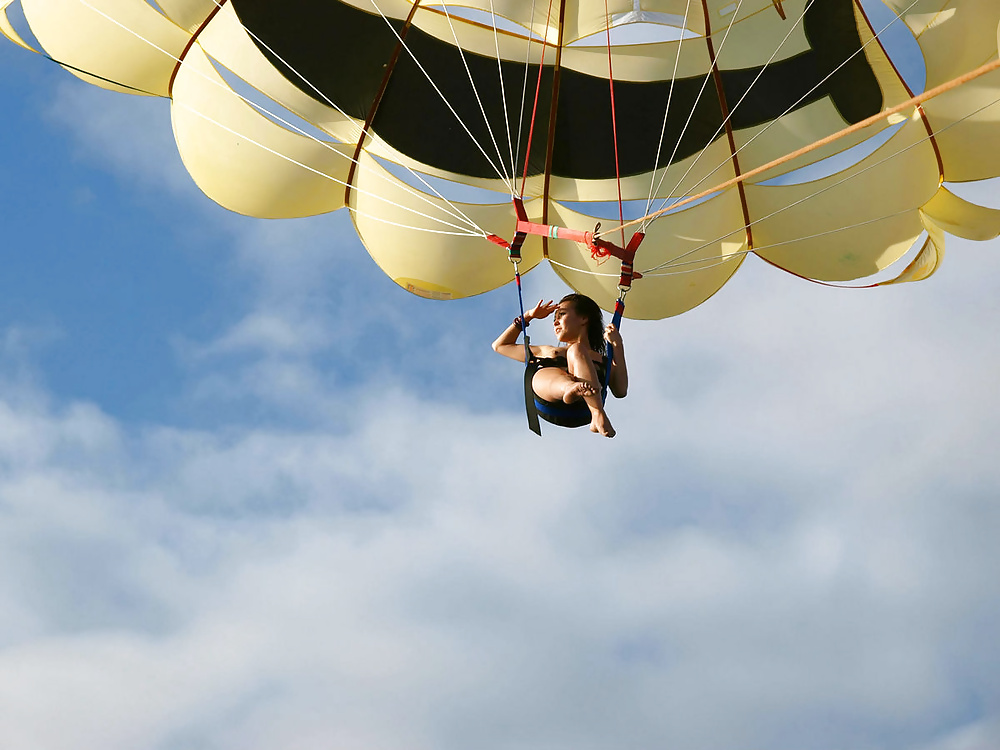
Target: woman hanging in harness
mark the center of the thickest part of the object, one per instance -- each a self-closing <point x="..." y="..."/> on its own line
<point x="572" y="374"/>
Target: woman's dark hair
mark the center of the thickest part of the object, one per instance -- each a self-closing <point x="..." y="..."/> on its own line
<point x="585" y="307"/>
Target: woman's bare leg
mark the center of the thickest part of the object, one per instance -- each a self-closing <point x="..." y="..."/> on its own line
<point x="554" y="384"/>
<point x="581" y="368"/>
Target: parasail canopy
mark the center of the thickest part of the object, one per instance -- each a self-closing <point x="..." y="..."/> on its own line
<point x="426" y="120"/>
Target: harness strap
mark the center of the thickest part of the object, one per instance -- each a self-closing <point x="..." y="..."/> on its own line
<point x="609" y="351"/>
<point x="530" y="405"/>
<point x="530" y="363"/>
<point x="563" y="415"/>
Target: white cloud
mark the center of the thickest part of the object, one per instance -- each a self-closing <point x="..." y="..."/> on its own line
<point x="731" y="572"/>
<point x="267" y="332"/>
<point x="129" y="134"/>
<point x="791" y="544"/>
<point x="982" y="735"/>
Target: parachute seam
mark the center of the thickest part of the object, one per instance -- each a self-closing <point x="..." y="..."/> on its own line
<point x="191" y="42"/>
<point x="726" y="123"/>
<point x="415" y="193"/>
<point x="319" y="173"/>
<point x="920" y="109"/>
<point x="697" y="100"/>
<point x="926" y="96"/>
<point x="678" y="261"/>
<point x="894" y="155"/>
<point x="653" y="185"/>
<point x="933" y="21"/>
<point x="376" y="101"/>
<point x="649" y="218"/>
<point x="720" y="90"/>
<point x="66" y="65"/>
<point x="439" y="92"/>
<point x="458" y="213"/>
<point x="455" y="210"/>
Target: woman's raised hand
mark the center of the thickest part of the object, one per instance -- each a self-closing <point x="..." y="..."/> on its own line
<point x="542" y="310"/>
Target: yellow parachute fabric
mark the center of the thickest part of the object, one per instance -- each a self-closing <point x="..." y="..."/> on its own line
<point x="400" y="110"/>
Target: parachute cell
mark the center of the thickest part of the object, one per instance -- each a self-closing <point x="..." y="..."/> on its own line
<point x="408" y="112"/>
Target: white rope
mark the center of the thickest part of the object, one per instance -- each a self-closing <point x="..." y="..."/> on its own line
<point x="678" y="260"/>
<point x="775" y="120"/>
<point x="481" y="233"/>
<point x="828" y="232"/>
<point x="503" y="99"/>
<point x="727" y="259"/>
<point x="666" y="115"/>
<point x="382" y="220"/>
<point x="790" y="206"/>
<point x="701" y="92"/>
<point x="358" y="129"/>
<point x="524" y="87"/>
<point x="283" y="61"/>
<point x="585" y="271"/>
<point x="406" y="188"/>
<point x="879" y="163"/>
<point x="439" y="92"/>
<point x="315" y="171"/>
<point x="708" y="264"/>
<point x="508" y="181"/>
<point x="728" y="117"/>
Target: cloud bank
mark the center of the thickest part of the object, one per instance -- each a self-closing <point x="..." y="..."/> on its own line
<point x="346" y="537"/>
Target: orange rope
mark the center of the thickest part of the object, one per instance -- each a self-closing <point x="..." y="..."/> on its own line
<point x="915" y="101"/>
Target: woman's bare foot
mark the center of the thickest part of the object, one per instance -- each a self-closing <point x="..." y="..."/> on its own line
<point x="602" y="425"/>
<point x="577" y="391"/>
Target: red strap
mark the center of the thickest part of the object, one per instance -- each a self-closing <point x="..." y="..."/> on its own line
<point x="534" y="109"/>
<point x="614" y="119"/>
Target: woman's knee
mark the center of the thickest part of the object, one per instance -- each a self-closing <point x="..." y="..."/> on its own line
<point x="575" y="356"/>
<point x="550" y="383"/>
<point x="580" y="366"/>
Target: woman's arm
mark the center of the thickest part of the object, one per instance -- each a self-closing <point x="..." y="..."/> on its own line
<point x="618" y="378"/>
<point x="506" y="343"/>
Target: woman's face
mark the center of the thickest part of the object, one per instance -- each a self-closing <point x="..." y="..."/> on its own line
<point x="567" y="323"/>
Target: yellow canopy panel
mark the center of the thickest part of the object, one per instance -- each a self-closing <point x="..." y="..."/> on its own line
<point x="425" y="120"/>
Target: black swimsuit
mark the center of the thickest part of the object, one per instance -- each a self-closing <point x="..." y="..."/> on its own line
<point x="560" y="413"/>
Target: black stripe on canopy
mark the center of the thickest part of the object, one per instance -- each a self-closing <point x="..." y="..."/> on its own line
<point x="342" y="52"/>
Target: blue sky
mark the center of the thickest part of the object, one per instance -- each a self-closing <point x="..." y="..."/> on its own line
<point x="253" y="495"/>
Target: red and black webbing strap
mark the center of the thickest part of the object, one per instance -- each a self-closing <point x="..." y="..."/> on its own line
<point x="628" y="275"/>
<point x="530" y="363"/>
